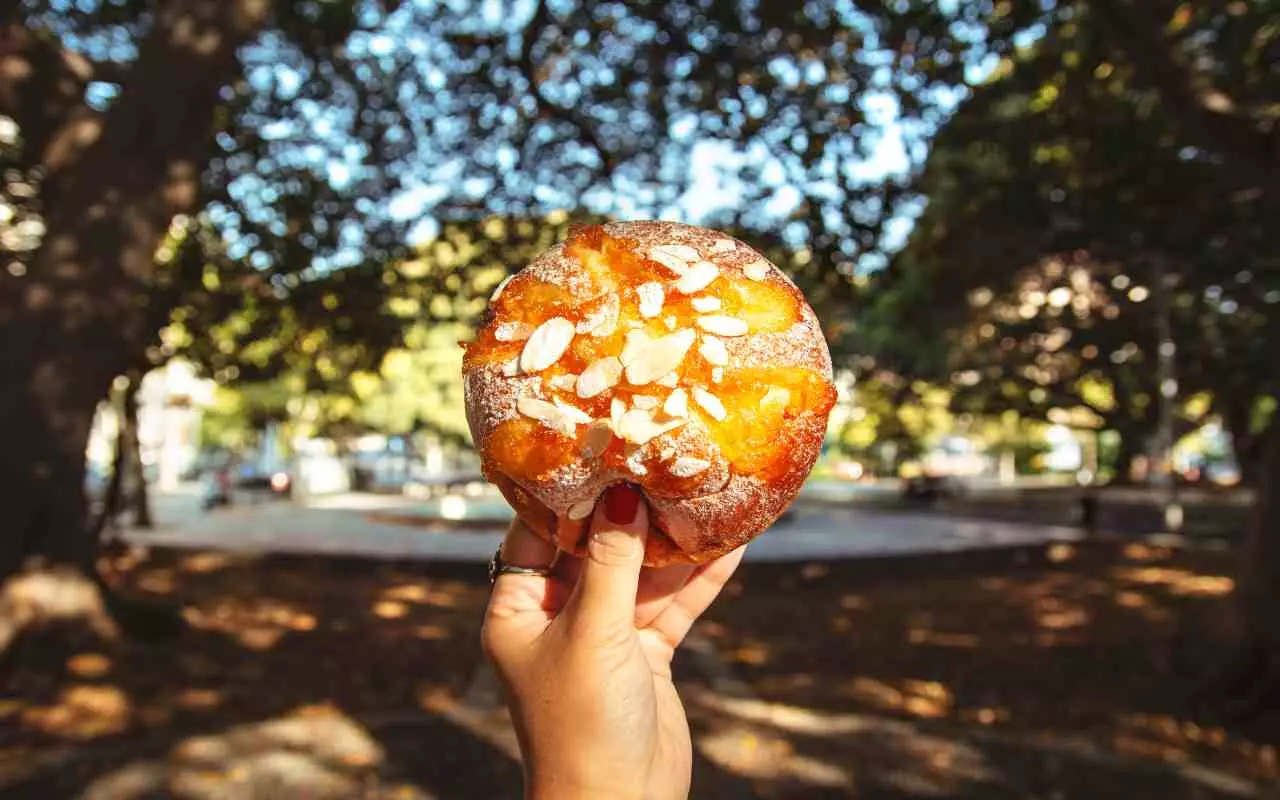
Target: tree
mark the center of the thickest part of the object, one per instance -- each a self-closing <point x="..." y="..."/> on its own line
<point x="1139" y="139"/>
<point x="295" y="142"/>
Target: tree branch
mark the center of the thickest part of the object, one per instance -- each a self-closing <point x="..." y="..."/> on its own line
<point x="1204" y="117"/>
<point x="538" y="23"/>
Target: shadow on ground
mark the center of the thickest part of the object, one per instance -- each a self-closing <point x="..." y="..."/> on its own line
<point x="954" y="676"/>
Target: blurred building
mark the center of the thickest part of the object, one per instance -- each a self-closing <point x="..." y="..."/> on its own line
<point x="171" y="401"/>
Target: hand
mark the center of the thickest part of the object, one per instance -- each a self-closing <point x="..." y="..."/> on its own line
<point x="585" y="654"/>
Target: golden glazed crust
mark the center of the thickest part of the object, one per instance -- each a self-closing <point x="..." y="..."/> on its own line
<point x="713" y="512"/>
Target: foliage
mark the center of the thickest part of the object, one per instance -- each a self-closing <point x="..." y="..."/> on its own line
<point x="1075" y="191"/>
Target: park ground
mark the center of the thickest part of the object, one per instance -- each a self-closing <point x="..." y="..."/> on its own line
<point x="1053" y="669"/>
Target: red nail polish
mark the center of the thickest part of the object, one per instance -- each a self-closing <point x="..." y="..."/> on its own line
<point x="621" y="501"/>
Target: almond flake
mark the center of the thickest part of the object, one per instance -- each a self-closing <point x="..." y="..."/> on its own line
<point x="581" y="510"/>
<point x="564" y="383"/>
<point x="713" y="350"/>
<point x="776" y="396"/>
<point x="722" y="325"/>
<point x="666" y="453"/>
<point x="704" y="304"/>
<point x="644" y="401"/>
<point x="677" y="404"/>
<point x="549" y="414"/>
<point x="597" y="439"/>
<point x="672" y="262"/>
<point x="717" y="374"/>
<point x="602" y="320"/>
<point x="635" y="465"/>
<point x="599" y="376"/>
<point x="646" y="360"/>
<point x="651" y="297"/>
<point x="638" y="426"/>
<point x="709" y="403"/>
<point x="671" y="380"/>
<point x="699" y="276"/>
<point x="756" y="270"/>
<point x="681" y="251"/>
<point x="497" y="291"/>
<point x="577" y="415"/>
<point x="511" y="368"/>
<point x="512" y="332"/>
<point x="546" y="344"/>
<point x="616" y="409"/>
<point x="688" y="466"/>
<point x="723" y="245"/>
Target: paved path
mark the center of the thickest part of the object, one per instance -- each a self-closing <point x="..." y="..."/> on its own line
<point x="351" y="525"/>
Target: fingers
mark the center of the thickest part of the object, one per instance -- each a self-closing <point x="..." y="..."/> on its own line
<point x="658" y="588"/>
<point x="690" y="602"/>
<point x="610" y="574"/>
<point x="522" y="548"/>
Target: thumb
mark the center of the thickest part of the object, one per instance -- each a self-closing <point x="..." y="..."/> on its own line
<point x="610" y="574"/>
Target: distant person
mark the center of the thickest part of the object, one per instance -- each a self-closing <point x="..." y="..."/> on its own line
<point x="584" y="648"/>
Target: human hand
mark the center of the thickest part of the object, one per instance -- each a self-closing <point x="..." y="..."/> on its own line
<point x="585" y="654"/>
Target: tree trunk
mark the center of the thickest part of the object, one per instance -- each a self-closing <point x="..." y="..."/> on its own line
<point x="138" y="498"/>
<point x="112" y="184"/>
<point x="1131" y="446"/>
<point x="114" y="491"/>
<point x="1251" y="681"/>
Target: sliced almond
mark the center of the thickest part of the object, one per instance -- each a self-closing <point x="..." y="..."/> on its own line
<point x="699" y="276"/>
<point x="554" y="417"/>
<point x="599" y="376"/>
<point x="709" y="403"/>
<point x="512" y="332"/>
<point x="511" y="368"/>
<point x="601" y="320"/>
<point x="581" y="510"/>
<point x="564" y="383"/>
<point x="644" y="401"/>
<point x="677" y="404"/>
<point x="669" y="260"/>
<point x="574" y="413"/>
<point x="776" y="396"/>
<point x="671" y="380"/>
<point x="688" y="466"/>
<point x="646" y="360"/>
<point x="546" y="344"/>
<point x="597" y="439"/>
<point x="651" y="297"/>
<point x="681" y="251"/>
<point x="717" y="374"/>
<point x="497" y="291"/>
<point x="638" y="426"/>
<point x="713" y="350"/>
<point x="666" y="453"/>
<point x="636" y="465"/>
<point x="634" y="344"/>
<point x="756" y="270"/>
<point x="722" y="325"/>
<point x="705" y="304"/>
<point x="616" y="409"/>
<point x="723" y="245"/>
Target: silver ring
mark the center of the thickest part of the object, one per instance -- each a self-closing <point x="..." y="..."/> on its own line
<point x="497" y="567"/>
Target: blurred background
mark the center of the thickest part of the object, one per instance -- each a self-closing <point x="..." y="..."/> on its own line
<point x="244" y="527"/>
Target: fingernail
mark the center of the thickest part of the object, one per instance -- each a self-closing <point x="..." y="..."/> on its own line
<point x="621" y="501"/>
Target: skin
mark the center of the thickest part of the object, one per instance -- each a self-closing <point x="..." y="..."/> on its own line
<point x="585" y="655"/>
